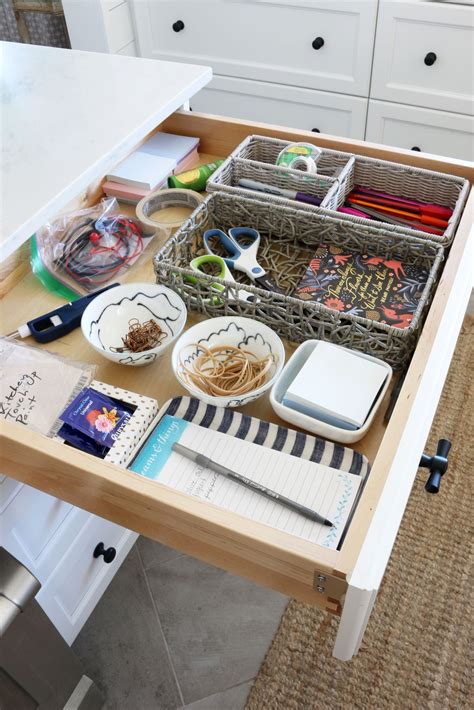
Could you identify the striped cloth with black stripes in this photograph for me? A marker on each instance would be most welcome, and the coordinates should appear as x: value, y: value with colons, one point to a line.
x: 276, y: 437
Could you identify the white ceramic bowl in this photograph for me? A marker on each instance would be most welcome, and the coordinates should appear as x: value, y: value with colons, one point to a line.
x: 229, y: 330
x: 106, y: 319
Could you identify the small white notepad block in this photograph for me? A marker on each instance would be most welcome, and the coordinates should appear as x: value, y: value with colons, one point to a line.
x: 331, y: 391
x: 142, y: 170
x: 336, y: 385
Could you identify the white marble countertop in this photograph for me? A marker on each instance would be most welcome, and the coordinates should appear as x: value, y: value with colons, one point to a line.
x: 67, y: 117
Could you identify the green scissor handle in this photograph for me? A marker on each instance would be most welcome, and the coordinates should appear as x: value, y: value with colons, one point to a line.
x: 223, y: 273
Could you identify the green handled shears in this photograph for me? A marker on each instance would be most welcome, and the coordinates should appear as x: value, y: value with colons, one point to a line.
x: 213, y: 265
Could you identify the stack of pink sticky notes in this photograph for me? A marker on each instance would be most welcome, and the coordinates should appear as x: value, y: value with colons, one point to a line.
x: 149, y: 167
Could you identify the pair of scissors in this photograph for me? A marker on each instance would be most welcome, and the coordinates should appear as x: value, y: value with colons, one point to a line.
x: 240, y: 248
x: 212, y: 265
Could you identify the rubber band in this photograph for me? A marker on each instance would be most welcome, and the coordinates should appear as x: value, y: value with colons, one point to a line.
x: 225, y: 370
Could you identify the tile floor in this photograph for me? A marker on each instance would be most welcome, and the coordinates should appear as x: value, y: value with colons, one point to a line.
x: 171, y: 632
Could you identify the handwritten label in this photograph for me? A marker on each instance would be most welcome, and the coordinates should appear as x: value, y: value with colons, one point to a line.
x: 19, y: 401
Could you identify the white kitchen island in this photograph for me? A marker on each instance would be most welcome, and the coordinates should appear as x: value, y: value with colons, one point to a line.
x: 67, y: 117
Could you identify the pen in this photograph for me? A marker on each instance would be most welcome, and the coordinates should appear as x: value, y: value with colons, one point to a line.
x: 382, y: 217
x: 206, y: 462
x: 424, y: 207
x: 424, y: 219
x: 280, y: 191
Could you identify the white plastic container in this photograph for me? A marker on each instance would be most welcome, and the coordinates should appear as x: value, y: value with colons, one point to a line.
x: 315, y: 426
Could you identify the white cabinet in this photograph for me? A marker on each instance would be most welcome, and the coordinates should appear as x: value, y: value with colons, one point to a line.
x: 100, y: 26
x: 430, y: 131
x: 309, y: 63
x: 424, y: 55
x: 56, y: 541
x: 307, y: 43
x: 319, y: 111
x: 80, y: 579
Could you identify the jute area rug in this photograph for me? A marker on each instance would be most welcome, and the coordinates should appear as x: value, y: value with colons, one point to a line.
x: 416, y: 649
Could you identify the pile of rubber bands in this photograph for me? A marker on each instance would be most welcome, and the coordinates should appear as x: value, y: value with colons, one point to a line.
x: 225, y: 370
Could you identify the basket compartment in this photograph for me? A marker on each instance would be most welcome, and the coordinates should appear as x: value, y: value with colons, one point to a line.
x: 288, y: 239
x: 228, y: 175
x: 410, y: 183
x: 266, y: 150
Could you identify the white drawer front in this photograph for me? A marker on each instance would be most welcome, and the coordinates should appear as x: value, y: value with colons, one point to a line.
x: 335, y: 114
x: 76, y: 585
x: 424, y: 55
x: 118, y: 24
x: 8, y: 490
x: 269, y: 40
x: 431, y: 131
x: 38, y: 529
x: 130, y: 50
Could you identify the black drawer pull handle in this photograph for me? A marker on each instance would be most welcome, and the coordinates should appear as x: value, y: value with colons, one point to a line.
x: 415, y: 147
x: 109, y: 553
x: 178, y: 25
x: 430, y: 59
x: 318, y: 43
x: 437, y: 465
x: 316, y: 130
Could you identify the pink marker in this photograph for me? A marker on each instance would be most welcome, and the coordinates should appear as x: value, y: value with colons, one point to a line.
x: 429, y: 209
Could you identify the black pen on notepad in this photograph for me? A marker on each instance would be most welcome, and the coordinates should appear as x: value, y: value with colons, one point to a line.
x: 206, y: 462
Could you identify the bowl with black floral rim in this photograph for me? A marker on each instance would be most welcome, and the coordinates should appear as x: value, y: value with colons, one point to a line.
x: 244, y: 333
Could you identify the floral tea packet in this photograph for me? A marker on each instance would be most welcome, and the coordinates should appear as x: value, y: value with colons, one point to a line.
x: 98, y: 416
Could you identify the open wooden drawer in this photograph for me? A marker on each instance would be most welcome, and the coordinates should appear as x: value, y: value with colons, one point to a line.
x: 343, y: 582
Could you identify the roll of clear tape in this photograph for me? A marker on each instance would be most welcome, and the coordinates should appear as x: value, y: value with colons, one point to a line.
x: 149, y: 208
x: 303, y: 163
x: 300, y: 156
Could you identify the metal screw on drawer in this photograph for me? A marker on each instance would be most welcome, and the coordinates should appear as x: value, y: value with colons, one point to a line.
x: 108, y: 554
x: 178, y: 25
x: 316, y: 130
x: 321, y: 590
x: 321, y: 578
x: 317, y: 43
x: 437, y: 465
x: 415, y: 147
x: 430, y: 59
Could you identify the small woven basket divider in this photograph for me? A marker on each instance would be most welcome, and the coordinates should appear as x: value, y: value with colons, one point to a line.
x: 289, y: 237
x: 259, y: 154
x: 326, y: 188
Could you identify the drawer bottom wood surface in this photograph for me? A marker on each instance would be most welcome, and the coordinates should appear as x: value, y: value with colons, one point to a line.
x: 242, y: 546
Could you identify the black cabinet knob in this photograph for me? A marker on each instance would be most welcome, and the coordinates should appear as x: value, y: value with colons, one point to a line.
x: 318, y: 43
x: 430, y: 59
x: 178, y: 25
x: 108, y: 554
x: 415, y: 147
x: 316, y: 130
x: 437, y: 465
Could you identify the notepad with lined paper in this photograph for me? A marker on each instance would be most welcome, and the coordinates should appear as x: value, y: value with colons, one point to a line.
x: 329, y: 491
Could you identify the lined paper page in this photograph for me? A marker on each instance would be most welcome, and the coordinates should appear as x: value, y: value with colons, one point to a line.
x: 329, y: 491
